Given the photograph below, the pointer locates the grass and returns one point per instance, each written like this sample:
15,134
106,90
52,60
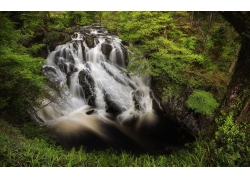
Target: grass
30,146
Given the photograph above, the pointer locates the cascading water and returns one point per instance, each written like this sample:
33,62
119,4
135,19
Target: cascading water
91,96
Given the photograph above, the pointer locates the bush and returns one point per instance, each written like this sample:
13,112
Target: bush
232,147
202,102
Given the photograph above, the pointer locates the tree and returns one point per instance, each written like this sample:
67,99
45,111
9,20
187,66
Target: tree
237,97
20,82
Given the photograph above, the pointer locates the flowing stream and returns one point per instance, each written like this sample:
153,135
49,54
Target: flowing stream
92,101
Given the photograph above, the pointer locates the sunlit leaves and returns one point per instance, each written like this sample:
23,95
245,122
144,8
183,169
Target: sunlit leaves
202,102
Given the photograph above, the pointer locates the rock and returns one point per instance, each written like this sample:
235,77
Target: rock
125,43
74,35
106,49
90,41
87,83
73,68
125,56
111,106
108,40
47,69
137,97
102,31
156,103
120,58
96,40
75,45
176,110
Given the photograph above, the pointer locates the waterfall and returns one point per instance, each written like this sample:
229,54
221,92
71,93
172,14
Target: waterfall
90,91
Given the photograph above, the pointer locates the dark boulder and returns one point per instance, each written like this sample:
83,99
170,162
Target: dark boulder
106,49
90,41
137,98
96,41
111,105
125,43
176,110
108,40
88,85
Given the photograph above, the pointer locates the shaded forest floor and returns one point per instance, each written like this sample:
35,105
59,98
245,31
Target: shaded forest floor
30,146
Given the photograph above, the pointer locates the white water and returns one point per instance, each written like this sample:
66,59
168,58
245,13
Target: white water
67,111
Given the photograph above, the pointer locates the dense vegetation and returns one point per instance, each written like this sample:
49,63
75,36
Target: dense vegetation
197,51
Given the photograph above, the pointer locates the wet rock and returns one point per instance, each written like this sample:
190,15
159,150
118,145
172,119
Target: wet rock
73,68
120,58
87,83
102,30
137,97
108,40
75,45
111,105
157,106
70,69
125,43
106,49
90,41
96,41
47,69
177,111
125,56
74,35
83,51
86,31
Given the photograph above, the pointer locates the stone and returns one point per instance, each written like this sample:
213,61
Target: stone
106,49
125,43
88,84
90,41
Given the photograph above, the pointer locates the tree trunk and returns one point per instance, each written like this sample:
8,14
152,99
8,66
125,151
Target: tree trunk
237,97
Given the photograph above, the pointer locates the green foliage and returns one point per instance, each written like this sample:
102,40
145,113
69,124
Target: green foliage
228,132
30,146
232,146
20,82
111,20
183,49
78,17
36,47
52,36
202,102
8,35
160,47
171,91
179,49
30,151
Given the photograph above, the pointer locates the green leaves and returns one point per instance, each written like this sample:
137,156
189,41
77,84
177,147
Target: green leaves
202,102
229,133
161,47
20,82
36,47
184,49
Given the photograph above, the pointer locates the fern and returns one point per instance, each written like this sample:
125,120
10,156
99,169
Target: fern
202,102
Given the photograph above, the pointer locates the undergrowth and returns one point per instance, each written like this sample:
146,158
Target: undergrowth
30,146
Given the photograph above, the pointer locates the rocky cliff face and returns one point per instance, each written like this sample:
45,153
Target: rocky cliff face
176,110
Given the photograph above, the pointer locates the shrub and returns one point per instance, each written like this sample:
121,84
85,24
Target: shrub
202,102
232,146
